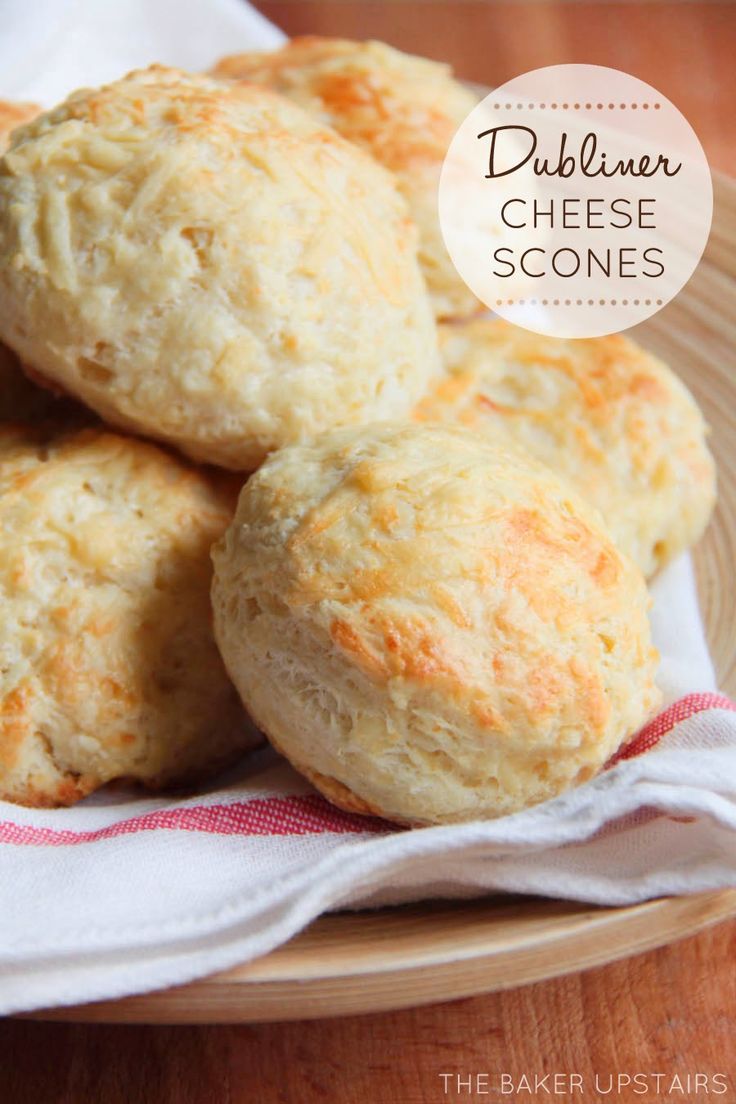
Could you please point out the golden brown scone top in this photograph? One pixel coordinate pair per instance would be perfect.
(436, 624)
(402, 109)
(108, 664)
(204, 263)
(13, 115)
(602, 412)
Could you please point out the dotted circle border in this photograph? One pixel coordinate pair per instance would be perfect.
(579, 302)
(577, 107)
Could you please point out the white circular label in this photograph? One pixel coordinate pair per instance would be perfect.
(575, 200)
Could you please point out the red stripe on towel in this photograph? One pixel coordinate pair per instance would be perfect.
(303, 815)
(664, 722)
(306, 814)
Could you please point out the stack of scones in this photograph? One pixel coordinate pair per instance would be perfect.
(230, 334)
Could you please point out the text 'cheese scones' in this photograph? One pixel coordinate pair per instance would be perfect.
(204, 263)
(430, 627)
(602, 412)
(108, 665)
(403, 110)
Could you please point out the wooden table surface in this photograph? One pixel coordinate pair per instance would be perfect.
(672, 1011)
(685, 50)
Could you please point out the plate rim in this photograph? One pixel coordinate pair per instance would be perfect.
(238, 995)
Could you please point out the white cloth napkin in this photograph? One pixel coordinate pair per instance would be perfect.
(123, 894)
(48, 48)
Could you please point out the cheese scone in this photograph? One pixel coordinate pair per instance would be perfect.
(430, 627)
(204, 263)
(602, 412)
(19, 398)
(403, 110)
(108, 665)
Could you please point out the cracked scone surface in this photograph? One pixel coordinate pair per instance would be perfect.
(108, 665)
(403, 110)
(204, 263)
(430, 627)
(602, 412)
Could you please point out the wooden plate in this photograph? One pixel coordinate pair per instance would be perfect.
(397, 958)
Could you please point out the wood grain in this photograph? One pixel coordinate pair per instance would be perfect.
(665, 1011)
(686, 50)
(696, 333)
